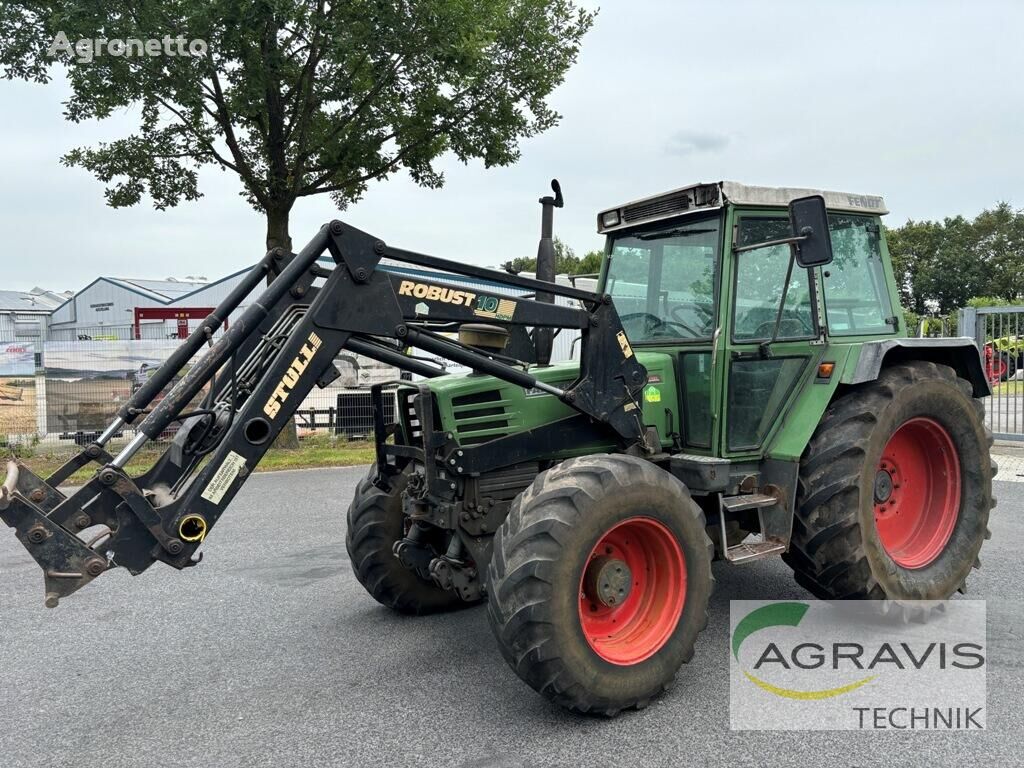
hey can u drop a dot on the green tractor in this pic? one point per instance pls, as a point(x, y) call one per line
point(744, 390)
point(790, 417)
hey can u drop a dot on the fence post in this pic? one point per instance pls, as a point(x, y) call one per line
point(967, 325)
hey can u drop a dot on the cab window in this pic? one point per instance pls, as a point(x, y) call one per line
point(855, 293)
point(662, 281)
point(760, 278)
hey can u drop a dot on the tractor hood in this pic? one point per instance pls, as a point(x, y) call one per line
point(478, 408)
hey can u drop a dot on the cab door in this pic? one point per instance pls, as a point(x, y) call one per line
point(761, 376)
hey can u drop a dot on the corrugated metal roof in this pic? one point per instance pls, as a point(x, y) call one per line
point(35, 301)
point(166, 289)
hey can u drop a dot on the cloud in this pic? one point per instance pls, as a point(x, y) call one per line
point(683, 143)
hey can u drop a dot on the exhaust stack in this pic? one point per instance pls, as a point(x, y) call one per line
point(543, 338)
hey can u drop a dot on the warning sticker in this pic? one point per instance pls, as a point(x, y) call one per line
point(223, 478)
point(627, 351)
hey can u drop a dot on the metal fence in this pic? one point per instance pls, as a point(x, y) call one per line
point(62, 394)
point(998, 333)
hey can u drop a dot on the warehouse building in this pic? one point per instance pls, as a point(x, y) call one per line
point(24, 315)
point(105, 309)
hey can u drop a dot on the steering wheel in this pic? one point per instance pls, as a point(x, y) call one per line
point(802, 327)
point(653, 324)
point(673, 313)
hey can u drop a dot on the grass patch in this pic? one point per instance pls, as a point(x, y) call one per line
point(1015, 387)
point(313, 452)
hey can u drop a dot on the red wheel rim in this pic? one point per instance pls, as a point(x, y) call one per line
point(997, 369)
point(996, 365)
point(632, 591)
point(917, 492)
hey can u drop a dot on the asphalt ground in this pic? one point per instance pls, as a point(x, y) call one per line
point(270, 653)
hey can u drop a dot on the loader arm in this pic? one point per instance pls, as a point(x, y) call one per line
point(258, 373)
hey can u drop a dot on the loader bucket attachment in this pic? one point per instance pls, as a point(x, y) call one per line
point(67, 561)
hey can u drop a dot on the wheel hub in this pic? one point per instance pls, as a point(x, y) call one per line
point(883, 486)
point(608, 580)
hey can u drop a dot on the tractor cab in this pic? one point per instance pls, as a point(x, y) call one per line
point(748, 289)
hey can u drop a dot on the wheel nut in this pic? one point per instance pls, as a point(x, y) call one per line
point(82, 521)
point(37, 534)
point(95, 567)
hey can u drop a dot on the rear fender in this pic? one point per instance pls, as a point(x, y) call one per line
point(960, 354)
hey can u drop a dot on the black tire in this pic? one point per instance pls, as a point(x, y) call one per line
point(535, 579)
point(375, 523)
point(1011, 366)
point(836, 551)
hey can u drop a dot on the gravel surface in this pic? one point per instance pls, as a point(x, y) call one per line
point(270, 653)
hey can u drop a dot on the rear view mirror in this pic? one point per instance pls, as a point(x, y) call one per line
point(809, 221)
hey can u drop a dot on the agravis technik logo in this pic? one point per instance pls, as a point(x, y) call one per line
point(812, 665)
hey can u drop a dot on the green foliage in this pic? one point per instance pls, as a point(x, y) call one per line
point(988, 301)
point(299, 97)
point(590, 263)
point(945, 265)
point(566, 261)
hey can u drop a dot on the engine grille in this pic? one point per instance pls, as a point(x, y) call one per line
point(410, 420)
point(480, 417)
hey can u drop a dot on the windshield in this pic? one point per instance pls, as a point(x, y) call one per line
point(662, 280)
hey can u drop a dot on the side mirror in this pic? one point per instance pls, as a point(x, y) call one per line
point(809, 221)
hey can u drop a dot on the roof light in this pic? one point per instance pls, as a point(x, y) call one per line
point(610, 218)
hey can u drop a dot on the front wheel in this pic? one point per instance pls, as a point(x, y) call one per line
point(599, 582)
point(375, 523)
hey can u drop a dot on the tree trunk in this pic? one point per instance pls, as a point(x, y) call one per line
point(277, 228)
point(278, 237)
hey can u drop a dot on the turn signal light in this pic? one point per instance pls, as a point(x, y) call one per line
point(825, 370)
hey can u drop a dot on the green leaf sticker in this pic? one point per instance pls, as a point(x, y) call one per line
point(652, 395)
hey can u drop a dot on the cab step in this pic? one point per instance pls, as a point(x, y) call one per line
point(748, 551)
point(748, 501)
point(752, 550)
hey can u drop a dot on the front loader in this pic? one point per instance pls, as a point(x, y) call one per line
point(743, 390)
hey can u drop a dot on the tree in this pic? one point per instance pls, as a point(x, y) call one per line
point(954, 272)
point(911, 246)
point(591, 263)
point(566, 261)
point(295, 97)
point(946, 264)
point(999, 242)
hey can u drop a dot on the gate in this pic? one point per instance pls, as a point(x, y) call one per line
point(999, 334)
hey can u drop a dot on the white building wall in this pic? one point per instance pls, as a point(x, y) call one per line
point(21, 326)
point(101, 304)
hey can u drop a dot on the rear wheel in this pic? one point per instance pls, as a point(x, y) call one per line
point(599, 582)
point(375, 523)
point(895, 489)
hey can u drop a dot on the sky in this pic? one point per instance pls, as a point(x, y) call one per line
point(920, 102)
